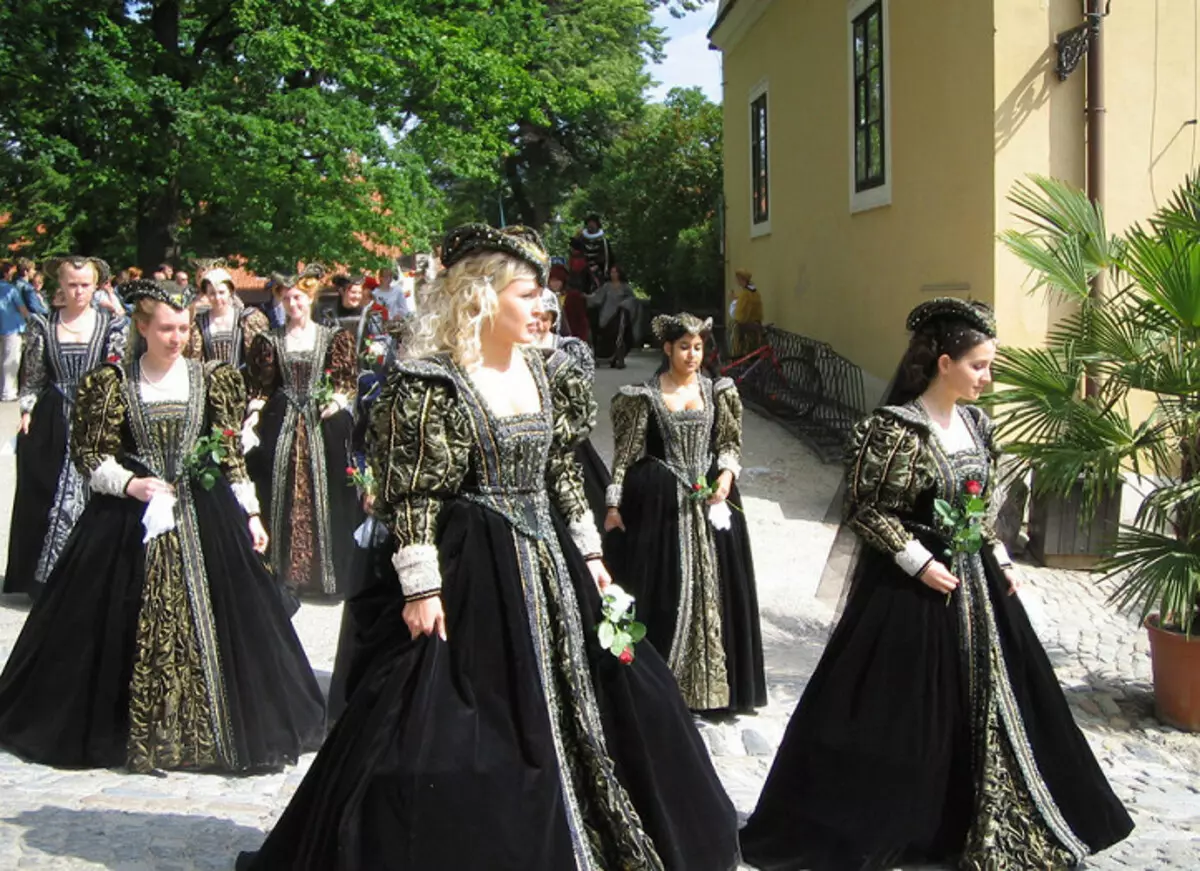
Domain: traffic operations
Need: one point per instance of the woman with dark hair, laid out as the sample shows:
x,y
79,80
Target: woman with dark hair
x,y
933,729
487,728
51,493
684,555
161,641
617,318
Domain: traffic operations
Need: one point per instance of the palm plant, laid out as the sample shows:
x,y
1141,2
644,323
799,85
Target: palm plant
x,y
1143,336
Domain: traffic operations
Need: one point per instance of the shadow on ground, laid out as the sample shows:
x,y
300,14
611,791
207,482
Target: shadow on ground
x,y
124,840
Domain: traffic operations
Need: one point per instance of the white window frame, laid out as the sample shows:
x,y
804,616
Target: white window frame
x,y
760,228
872,198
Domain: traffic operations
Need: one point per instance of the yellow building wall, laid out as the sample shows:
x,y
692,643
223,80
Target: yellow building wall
x,y
849,279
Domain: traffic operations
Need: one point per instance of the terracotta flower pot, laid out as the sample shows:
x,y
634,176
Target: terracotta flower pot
x,y
1176,662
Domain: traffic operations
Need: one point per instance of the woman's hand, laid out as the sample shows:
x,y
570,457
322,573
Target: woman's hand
x,y
612,520
144,489
937,577
599,573
721,491
368,503
1015,581
259,534
330,410
426,616
24,423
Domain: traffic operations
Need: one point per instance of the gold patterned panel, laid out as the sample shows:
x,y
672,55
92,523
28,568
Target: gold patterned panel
x,y
96,423
728,428
227,406
574,406
630,412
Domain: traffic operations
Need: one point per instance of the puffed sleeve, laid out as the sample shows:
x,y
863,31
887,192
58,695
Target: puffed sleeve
x,y
342,363
226,406
33,373
96,430
884,474
194,349
116,343
630,414
574,418
728,426
253,322
262,372
419,448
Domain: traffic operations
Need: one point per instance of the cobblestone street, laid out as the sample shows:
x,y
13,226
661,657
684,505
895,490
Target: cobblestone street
x,y
109,819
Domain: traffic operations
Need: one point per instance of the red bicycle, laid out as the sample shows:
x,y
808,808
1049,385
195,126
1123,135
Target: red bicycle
x,y
788,387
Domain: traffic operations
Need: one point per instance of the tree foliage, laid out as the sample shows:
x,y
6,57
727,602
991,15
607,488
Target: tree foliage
x,y
658,189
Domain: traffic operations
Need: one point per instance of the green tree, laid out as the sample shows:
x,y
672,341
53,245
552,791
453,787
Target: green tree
x,y
145,129
658,190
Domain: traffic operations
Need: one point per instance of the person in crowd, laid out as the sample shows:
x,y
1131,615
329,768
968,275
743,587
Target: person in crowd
x,y
272,307
391,292
161,641
597,251
747,315
27,279
933,729
366,320
680,550
51,492
181,279
226,328
13,315
479,678
302,379
618,316
574,306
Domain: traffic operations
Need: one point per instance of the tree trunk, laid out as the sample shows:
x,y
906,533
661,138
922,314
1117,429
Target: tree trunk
x,y
158,217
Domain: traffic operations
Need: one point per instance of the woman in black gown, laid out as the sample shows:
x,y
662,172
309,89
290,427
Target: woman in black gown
x,y
176,653
487,730
933,728
690,569
58,350
225,330
302,378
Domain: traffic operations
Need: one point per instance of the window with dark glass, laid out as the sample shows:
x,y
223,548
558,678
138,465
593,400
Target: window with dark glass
x,y
869,169
758,159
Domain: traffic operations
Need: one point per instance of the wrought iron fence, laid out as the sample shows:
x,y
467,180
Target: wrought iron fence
x,y
808,387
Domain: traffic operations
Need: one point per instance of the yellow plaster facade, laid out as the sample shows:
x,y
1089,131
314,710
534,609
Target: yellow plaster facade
x,y
975,106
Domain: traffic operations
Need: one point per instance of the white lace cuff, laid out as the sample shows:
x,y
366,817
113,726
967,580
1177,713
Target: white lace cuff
x,y
110,478
26,403
247,497
612,495
585,535
913,558
730,461
1003,558
417,567
341,400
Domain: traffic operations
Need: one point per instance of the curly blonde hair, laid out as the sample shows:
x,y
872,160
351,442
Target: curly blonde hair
x,y
456,304
309,285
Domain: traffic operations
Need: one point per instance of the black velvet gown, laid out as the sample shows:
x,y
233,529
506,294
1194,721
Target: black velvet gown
x,y
299,468
178,653
519,744
694,583
51,493
933,729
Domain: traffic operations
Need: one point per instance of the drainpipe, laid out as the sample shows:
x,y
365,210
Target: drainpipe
x,y
1095,116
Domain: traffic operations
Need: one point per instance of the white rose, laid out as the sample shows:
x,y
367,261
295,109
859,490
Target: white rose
x,y
619,602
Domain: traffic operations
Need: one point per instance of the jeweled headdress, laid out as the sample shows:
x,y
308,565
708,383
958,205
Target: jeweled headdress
x,y
103,272
979,315
216,275
550,302
517,241
668,328
178,298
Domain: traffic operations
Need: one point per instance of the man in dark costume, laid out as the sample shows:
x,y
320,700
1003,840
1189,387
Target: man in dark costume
x,y
597,251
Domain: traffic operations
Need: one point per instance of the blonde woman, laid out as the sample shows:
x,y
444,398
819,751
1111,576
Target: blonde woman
x,y
302,379
486,727
59,349
161,641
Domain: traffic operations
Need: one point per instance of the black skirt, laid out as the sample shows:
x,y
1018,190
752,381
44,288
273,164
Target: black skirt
x,y
64,693
40,456
444,757
344,510
646,561
876,766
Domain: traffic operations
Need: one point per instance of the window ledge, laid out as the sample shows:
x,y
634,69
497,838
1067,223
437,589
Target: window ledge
x,y
873,198
761,229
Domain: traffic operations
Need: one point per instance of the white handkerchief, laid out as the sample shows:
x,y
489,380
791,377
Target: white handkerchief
x,y
249,439
720,516
159,516
365,534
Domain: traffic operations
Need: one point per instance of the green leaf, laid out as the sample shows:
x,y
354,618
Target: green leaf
x,y
606,633
637,632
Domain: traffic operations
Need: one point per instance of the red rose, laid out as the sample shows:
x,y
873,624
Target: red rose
x,y
626,656
228,433
973,488
350,470
328,371
113,358
697,488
